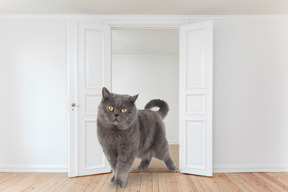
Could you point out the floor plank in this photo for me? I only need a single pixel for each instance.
(192, 186)
(107, 185)
(208, 184)
(253, 181)
(278, 179)
(149, 182)
(94, 182)
(196, 183)
(171, 182)
(204, 184)
(79, 185)
(242, 184)
(12, 181)
(162, 184)
(7, 176)
(52, 183)
(155, 182)
(269, 183)
(64, 186)
(146, 182)
(23, 183)
(105, 178)
(41, 179)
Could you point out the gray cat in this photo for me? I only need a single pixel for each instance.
(126, 133)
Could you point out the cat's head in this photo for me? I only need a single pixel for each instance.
(118, 111)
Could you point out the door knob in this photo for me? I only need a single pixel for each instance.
(74, 105)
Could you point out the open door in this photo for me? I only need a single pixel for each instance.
(89, 70)
(195, 98)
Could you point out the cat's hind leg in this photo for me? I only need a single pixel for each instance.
(143, 165)
(170, 165)
(164, 155)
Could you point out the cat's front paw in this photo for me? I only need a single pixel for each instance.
(118, 184)
(112, 179)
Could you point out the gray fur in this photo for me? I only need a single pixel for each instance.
(163, 106)
(136, 133)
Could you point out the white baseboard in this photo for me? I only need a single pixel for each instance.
(34, 168)
(249, 168)
(173, 142)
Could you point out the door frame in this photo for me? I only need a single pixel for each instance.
(118, 23)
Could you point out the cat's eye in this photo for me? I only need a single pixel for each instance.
(110, 108)
(124, 110)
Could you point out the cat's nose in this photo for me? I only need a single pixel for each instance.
(116, 115)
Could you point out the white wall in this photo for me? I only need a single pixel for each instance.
(250, 93)
(152, 77)
(33, 82)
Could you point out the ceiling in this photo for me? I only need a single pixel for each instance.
(145, 42)
(144, 7)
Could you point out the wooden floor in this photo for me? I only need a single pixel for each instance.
(156, 178)
(260, 182)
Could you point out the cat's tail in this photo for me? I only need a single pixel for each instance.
(163, 106)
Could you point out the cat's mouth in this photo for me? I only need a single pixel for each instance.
(115, 122)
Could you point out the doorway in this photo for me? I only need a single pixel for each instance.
(146, 62)
(90, 68)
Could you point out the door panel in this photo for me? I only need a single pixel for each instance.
(195, 98)
(92, 62)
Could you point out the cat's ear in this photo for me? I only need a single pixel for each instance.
(133, 98)
(105, 93)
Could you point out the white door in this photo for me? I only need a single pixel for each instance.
(195, 98)
(89, 70)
